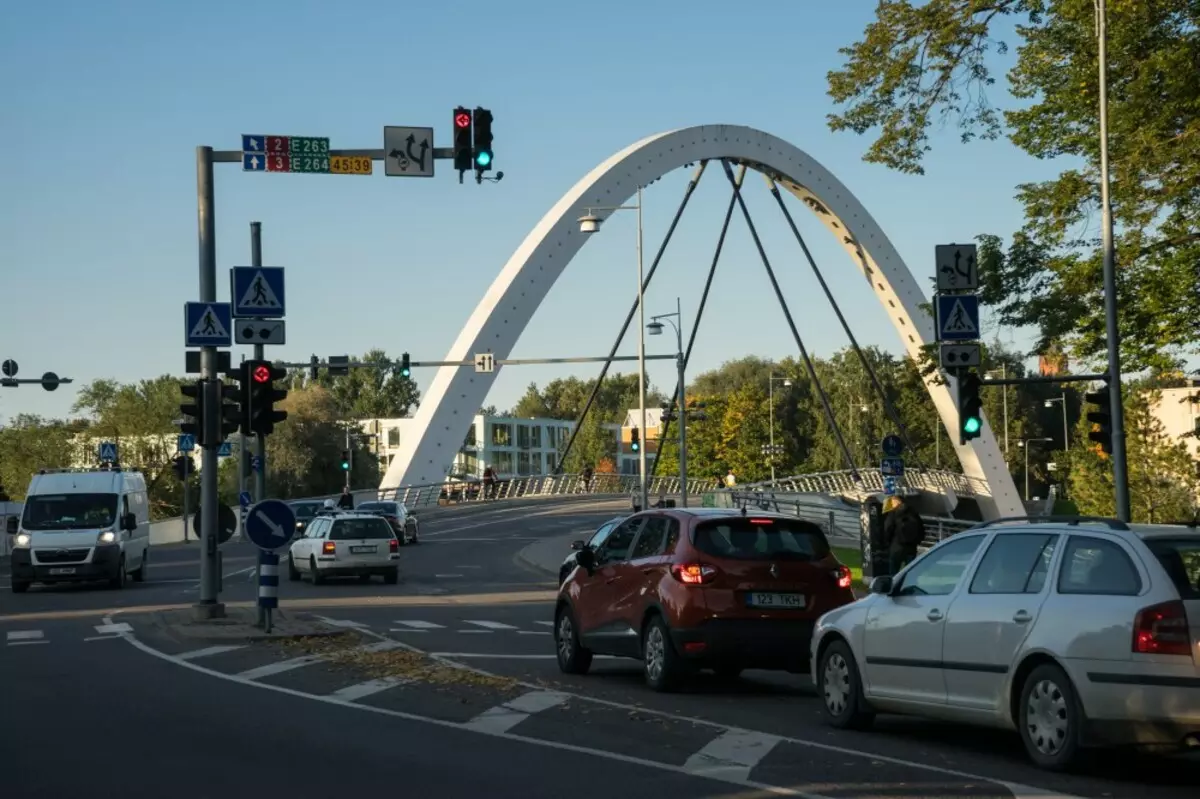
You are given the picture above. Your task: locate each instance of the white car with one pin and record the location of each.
(1072, 634)
(346, 544)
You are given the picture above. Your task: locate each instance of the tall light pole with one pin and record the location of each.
(655, 328)
(787, 382)
(588, 223)
(1025, 442)
(1066, 428)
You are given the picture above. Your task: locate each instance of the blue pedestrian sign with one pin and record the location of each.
(225, 450)
(957, 317)
(257, 292)
(187, 442)
(892, 445)
(244, 499)
(107, 452)
(892, 467)
(256, 463)
(207, 324)
(270, 525)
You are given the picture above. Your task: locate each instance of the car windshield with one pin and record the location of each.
(306, 510)
(69, 511)
(1181, 559)
(749, 538)
(355, 529)
(380, 507)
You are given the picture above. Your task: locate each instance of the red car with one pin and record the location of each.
(686, 589)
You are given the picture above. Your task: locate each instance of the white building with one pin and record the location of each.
(1179, 413)
(628, 461)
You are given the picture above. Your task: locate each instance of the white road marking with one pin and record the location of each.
(463, 566)
(734, 754)
(342, 623)
(491, 625)
(442, 576)
(534, 632)
(420, 625)
(477, 632)
(25, 636)
(503, 718)
(546, 623)
(109, 629)
(209, 651)
(279, 667)
(352, 693)
(100, 638)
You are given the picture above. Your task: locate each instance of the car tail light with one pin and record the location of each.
(329, 548)
(1162, 630)
(843, 576)
(694, 573)
(394, 545)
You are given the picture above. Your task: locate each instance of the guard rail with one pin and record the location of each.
(533, 487)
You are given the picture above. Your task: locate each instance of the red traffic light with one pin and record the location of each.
(261, 374)
(462, 120)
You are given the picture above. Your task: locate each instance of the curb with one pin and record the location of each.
(523, 559)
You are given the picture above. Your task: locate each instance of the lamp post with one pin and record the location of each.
(787, 383)
(656, 328)
(589, 223)
(1066, 429)
(1024, 443)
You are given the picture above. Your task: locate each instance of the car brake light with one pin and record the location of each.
(329, 548)
(1162, 630)
(694, 573)
(844, 577)
(762, 521)
(394, 545)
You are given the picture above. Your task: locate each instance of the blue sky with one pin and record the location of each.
(106, 102)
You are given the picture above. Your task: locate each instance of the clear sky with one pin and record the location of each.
(105, 102)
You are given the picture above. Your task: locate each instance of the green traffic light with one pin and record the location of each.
(483, 159)
(405, 372)
(972, 425)
(345, 466)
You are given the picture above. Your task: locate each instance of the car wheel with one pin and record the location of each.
(293, 572)
(1051, 718)
(19, 587)
(140, 574)
(841, 689)
(392, 577)
(317, 578)
(661, 663)
(118, 579)
(572, 657)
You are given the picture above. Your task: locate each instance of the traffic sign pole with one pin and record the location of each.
(268, 586)
(264, 613)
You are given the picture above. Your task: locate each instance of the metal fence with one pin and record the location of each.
(871, 482)
(561, 485)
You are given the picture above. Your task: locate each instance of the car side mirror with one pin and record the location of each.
(586, 558)
(11, 525)
(577, 545)
(882, 584)
(129, 522)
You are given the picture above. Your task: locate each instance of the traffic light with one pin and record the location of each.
(261, 395)
(463, 156)
(405, 366)
(231, 408)
(182, 465)
(970, 407)
(1101, 418)
(345, 460)
(483, 141)
(635, 439)
(193, 408)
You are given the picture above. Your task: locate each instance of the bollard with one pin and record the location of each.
(268, 585)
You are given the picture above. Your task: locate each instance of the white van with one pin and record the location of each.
(80, 525)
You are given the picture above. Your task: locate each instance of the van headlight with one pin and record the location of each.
(107, 537)
(22, 540)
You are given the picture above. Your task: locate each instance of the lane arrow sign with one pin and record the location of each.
(276, 530)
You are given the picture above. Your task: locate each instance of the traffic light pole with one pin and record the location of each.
(260, 474)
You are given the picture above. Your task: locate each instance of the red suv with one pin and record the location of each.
(685, 589)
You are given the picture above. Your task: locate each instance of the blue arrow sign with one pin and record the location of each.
(187, 442)
(225, 450)
(270, 525)
(257, 292)
(892, 467)
(207, 324)
(253, 144)
(957, 317)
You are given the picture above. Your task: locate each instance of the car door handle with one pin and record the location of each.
(1022, 617)
(934, 615)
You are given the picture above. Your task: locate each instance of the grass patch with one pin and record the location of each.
(852, 557)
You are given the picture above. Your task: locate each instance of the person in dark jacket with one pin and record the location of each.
(903, 531)
(346, 500)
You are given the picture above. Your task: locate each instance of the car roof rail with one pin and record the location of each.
(1112, 524)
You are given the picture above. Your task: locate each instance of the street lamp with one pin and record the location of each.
(787, 383)
(589, 223)
(1024, 443)
(1066, 431)
(656, 328)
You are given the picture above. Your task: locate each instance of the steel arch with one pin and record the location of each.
(456, 394)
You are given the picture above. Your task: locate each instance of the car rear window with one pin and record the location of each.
(379, 507)
(354, 529)
(750, 538)
(1181, 559)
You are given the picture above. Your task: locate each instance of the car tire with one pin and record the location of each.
(1050, 718)
(573, 658)
(140, 574)
(392, 577)
(20, 587)
(663, 668)
(841, 689)
(118, 579)
(317, 577)
(293, 572)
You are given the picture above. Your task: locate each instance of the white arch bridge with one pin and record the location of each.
(455, 395)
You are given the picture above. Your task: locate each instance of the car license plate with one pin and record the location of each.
(63, 571)
(362, 550)
(775, 600)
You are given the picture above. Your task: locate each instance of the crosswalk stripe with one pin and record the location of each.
(353, 693)
(421, 625)
(112, 629)
(208, 651)
(502, 718)
(278, 667)
(491, 625)
(731, 755)
(24, 636)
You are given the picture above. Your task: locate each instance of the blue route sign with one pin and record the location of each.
(107, 451)
(252, 162)
(892, 467)
(892, 445)
(245, 500)
(957, 317)
(270, 525)
(253, 144)
(187, 442)
(257, 292)
(225, 450)
(207, 324)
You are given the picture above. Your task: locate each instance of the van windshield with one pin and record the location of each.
(69, 511)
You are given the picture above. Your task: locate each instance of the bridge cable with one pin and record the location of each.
(812, 372)
(888, 406)
(712, 270)
(687, 195)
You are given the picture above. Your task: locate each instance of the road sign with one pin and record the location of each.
(245, 500)
(351, 165)
(274, 153)
(960, 356)
(408, 151)
(9, 368)
(892, 445)
(252, 162)
(187, 442)
(107, 452)
(889, 486)
(227, 523)
(256, 463)
(270, 525)
(225, 450)
(257, 292)
(485, 362)
(207, 324)
(957, 317)
(259, 331)
(253, 144)
(892, 467)
(50, 381)
(956, 267)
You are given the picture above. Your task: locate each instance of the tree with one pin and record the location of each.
(378, 392)
(30, 443)
(304, 454)
(920, 64)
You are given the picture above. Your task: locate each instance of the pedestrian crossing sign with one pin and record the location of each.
(957, 317)
(207, 324)
(257, 292)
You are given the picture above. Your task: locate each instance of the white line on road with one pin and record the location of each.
(477, 632)
(101, 638)
(208, 651)
(109, 629)
(279, 667)
(503, 718)
(441, 576)
(342, 622)
(733, 754)
(24, 635)
(420, 625)
(534, 632)
(546, 623)
(491, 625)
(352, 693)
(464, 566)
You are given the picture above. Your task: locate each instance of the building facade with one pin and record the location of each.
(1178, 411)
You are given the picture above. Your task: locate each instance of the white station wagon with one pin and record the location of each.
(346, 544)
(1072, 633)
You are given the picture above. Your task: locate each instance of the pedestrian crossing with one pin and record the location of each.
(478, 627)
(103, 632)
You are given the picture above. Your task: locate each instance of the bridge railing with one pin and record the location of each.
(536, 486)
(871, 481)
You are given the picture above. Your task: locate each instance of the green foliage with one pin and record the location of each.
(30, 443)
(564, 398)
(366, 393)
(917, 66)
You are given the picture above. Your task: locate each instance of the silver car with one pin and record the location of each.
(1072, 634)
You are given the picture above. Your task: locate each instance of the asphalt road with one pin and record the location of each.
(468, 599)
